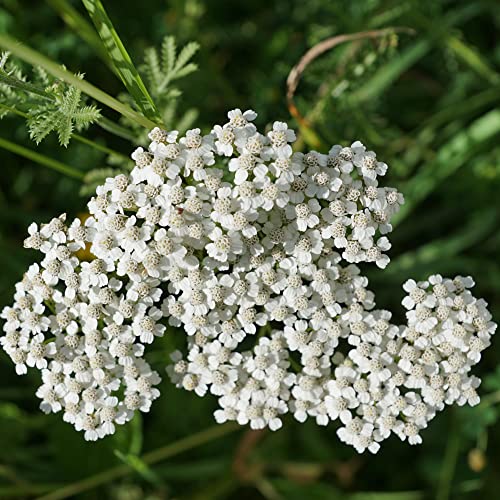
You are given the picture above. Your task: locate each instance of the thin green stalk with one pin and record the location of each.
(13, 110)
(98, 146)
(34, 58)
(150, 458)
(450, 157)
(23, 491)
(41, 159)
(6, 79)
(116, 129)
(449, 464)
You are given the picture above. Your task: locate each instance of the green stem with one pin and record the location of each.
(13, 110)
(449, 464)
(99, 147)
(37, 59)
(482, 440)
(116, 129)
(41, 159)
(15, 83)
(451, 112)
(50, 306)
(152, 457)
(24, 491)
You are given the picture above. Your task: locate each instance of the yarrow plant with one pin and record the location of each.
(250, 250)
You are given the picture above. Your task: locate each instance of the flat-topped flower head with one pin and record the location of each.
(249, 250)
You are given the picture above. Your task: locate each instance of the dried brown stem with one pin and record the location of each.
(314, 52)
(243, 470)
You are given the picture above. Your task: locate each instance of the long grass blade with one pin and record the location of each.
(389, 73)
(121, 59)
(450, 158)
(81, 26)
(473, 59)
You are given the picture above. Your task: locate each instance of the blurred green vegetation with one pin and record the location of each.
(427, 102)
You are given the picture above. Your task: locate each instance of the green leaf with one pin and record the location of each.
(136, 437)
(390, 72)
(185, 55)
(85, 116)
(41, 122)
(168, 51)
(152, 66)
(62, 114)
(477, 227)
(170, 68)
(17, 83)
(121, 59)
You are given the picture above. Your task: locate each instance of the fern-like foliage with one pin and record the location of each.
(161, 69)
(164, 66)
(49, 105)
(11, 96)
(63, 114)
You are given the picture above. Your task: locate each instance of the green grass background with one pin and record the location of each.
(428, 106)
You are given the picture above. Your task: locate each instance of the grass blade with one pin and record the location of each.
(449, 159)
(34, 58)
(81, 26)
(121, 59)
(388, 74)
(479, 226)
(473, 59)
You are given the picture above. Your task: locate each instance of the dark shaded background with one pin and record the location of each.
(428, 105)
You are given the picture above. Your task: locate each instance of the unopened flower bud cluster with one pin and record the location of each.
(251, 250)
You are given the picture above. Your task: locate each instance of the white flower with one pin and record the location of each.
(280, 137)
(237, 118)
(224, 246)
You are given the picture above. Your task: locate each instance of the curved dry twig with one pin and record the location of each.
(296, 72)
(243, 470)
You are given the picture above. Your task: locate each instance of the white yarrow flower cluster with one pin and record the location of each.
(251, 250)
